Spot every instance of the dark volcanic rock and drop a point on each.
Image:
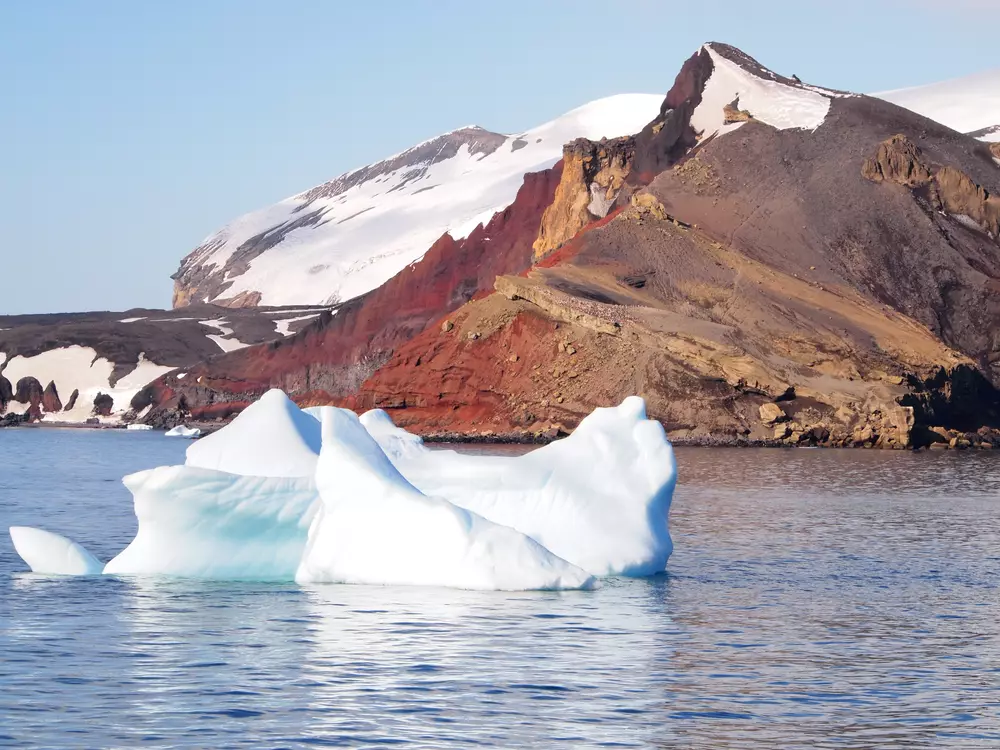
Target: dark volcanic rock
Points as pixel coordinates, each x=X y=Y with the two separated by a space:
x=50 y=399
x=72 y=399
x=103 y=404
x=29 y=390
x=6 y=392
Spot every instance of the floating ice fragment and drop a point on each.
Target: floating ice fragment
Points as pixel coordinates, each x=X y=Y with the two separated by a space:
x=53 y=554
x=183 y=431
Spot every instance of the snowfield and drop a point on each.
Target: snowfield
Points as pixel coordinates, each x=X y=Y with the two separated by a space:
x=78 y=368
x=325 y=497
x=966 y=104
x=363 y=236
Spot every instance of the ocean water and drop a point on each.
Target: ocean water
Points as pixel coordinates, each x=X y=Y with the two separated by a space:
x=821 y=599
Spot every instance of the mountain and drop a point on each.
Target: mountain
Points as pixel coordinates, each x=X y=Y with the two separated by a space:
x=765 y=260
x=71 y=367
x=968 y=105
x=345 y=237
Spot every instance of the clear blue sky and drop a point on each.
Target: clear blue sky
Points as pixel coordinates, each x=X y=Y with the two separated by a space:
x=130 y=130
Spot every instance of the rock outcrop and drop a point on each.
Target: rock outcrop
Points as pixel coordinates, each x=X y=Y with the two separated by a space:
x=50 y=398
x=593 y=175
x=949 y=190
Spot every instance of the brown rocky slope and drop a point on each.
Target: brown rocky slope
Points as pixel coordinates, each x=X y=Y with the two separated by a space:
x=834 y=285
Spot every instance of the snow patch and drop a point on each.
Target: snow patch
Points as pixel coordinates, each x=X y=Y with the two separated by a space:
x=774 y=103
x=355 y=256
x=131 y=320
x=227 y=345
x=79 y=368
x=222 y=326
x=282 y=327
x=964 y=104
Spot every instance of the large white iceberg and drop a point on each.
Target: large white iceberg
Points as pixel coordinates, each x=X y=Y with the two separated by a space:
x=397 y=535
x=275 y=496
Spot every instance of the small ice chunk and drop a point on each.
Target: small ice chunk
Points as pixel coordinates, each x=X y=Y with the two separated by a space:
x=53 y=554
x=183 y=431
x=374 y=527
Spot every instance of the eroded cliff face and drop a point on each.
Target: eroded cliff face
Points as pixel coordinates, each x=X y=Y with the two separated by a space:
x=949 y=190
x=333 y=356
x=593 y=175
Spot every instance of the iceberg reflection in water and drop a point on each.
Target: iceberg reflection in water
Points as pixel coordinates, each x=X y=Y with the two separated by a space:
x=323 y=496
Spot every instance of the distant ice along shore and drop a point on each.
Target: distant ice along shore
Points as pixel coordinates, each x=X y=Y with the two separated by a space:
x=323 y=496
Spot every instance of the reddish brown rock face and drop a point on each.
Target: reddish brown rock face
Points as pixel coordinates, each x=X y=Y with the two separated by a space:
x=50 y=399
x=331 y=358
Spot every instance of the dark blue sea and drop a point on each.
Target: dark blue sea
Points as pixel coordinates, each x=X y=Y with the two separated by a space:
x=815 y=599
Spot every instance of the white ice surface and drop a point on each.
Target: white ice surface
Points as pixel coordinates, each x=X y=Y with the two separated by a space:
x=270 y=438
x=770 y=101
x=53 y=554
x=139 y=427
x=964 y=104
x=183 y=431
x=369 y=233
x=199 y=523
x=374 y=527
x=598 y=498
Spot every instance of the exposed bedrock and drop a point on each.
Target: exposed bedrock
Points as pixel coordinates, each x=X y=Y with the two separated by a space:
x=592 y=177
x=6 y=392
x=103 y=405
x=949 y=189
x=50 y=398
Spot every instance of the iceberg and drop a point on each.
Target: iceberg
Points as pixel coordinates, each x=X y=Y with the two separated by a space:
x=139 y=427
x=599 y=498
x=375 y=527
x=183 y=431
x=53 y=554
x=322 y=496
